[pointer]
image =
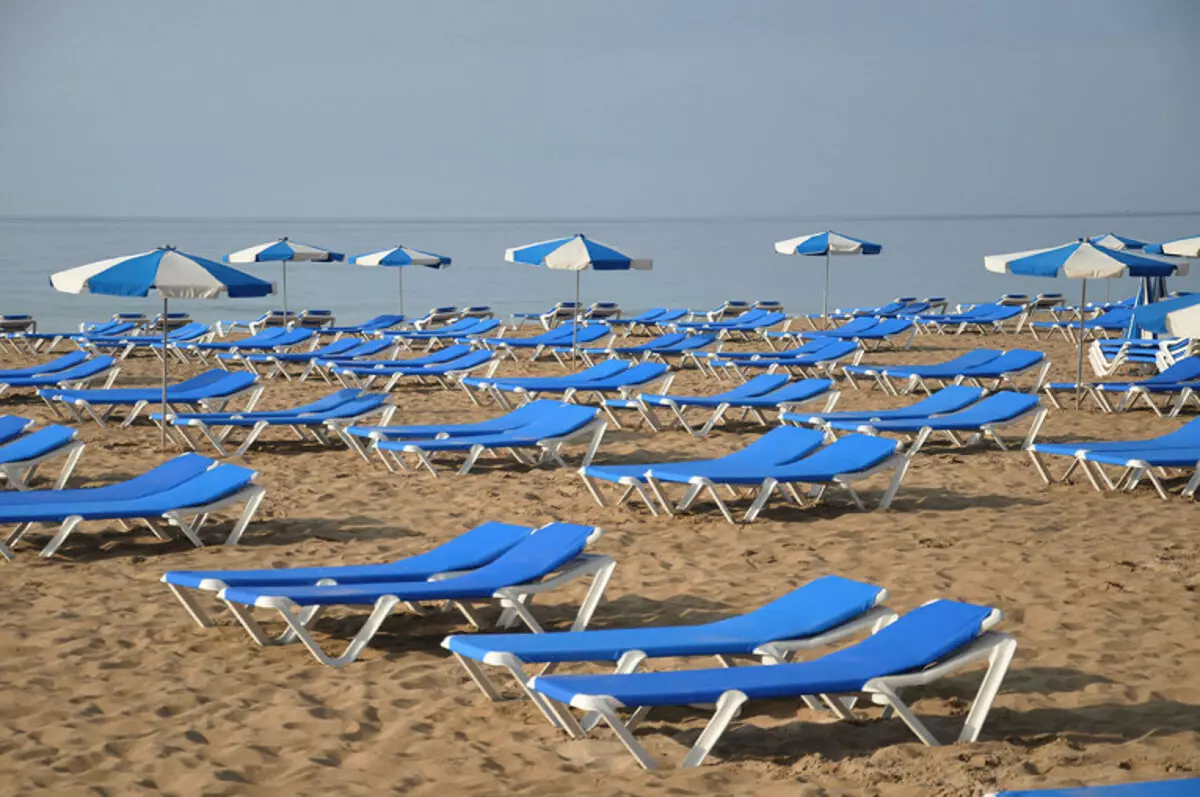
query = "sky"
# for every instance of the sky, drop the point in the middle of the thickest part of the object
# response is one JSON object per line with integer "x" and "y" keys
{"x": 622, "y": 109}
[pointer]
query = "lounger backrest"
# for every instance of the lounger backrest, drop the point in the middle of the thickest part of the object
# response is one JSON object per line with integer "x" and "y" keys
{"x": 292, "y": 337}
{"x": 266, "y": 336}
{"x": 849, "y": 454}
{"x": 835, "y": 349}
{"x": 211, "y": 485}
{"x": 200, "y": 380}
{"x": 34, "y": 444}
{"x": 692, "y": 342}
{"x": 663, "y": 341}
{"x": 470, "y": 360}
{"x": 973, "y": 358}
{"x": 920, "y": 638}
{"x": 166, "y": 476}
{"x": 563, "y": 420}
{"x": 948, "y": 399}
{"x": 12, "y": 426}
{"x": 1186, "y": 436}
{"x": 471, "y": 549}
{"x": 335, "y": 399}
{"x": 481, "y": 326}
{"x": 638, "y": 374}
{"x": 778, "y": 446}
{"x": 227, "y": 384}
{"x": 804, "y": 611}
{"x": 338, "y": 347}
{"x": 798, "y": 391}
{"x": 997, "y": 407}
{"x": 890, "y": 326}
{"x": 363, "y": 403}
{"x": 604, "y": 370}
{"x": 853, "y": 326}
{"x": 367, "y": 348}
{"x": 81, "y": 371}
{"x": 1010, "y": 361}
{"x": 534, "y": 556}
{"x": 1186, "y": 370}
{"x": 758, "y": 386}
{"x": 890, "y": 307}
{"x": 59, "y": 363}
{"x": 589, "y": 334}
{"x": 648, "y": 315}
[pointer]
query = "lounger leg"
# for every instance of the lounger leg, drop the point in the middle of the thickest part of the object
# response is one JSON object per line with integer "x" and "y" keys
{"x": 1040, "y": 466}
{"x": 728, "y": 707}
{"x": 630, "y": 660}
{"x": 594, "y": 595}
{"x": 383, "y": 608}
{"x": 60, "y": 537}
{"x": 609, "y": 715}
{"x": 998, "y": 663}
{"x": 253, "y": 499}
{"x": 192, "y": 607}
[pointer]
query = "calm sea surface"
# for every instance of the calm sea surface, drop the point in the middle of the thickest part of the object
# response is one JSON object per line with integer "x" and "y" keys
{"x": 697, "y": 263}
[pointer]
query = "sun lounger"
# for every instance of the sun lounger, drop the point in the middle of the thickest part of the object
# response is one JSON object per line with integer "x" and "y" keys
{"x": 471, "y": 331}
{"x": 315, "y": 319}
{"x": 46, "y": 342}
{"x": 948, "y": 399}
{"x": 560, "y": 312}
{"x": 57, "y": 365}
{"x": 555, "y": 338}
{"x": 359, "y": 355}
{"x": 584, "y": 384}
{"x": 172, "y": 321}
{"x": 862, "y": 330}
{"x": 470, "y": 550}
{"x": 1115, "y": 320}
{"x": 996, "y": 372}
{"x": 1177, "y": 382}
{"x": 1137, "y": 459}
{"x": 947, "y": 371}
{"x": 820, "y": 362}
{"x": 982, "y": 420}
{"x": 981, "y": 318}
{"x": 841, "y": 463}
{"x": 1184, "y": 787}
{"x": 776, "y": 447}
{"x": 716, "y": 321}
{"x": 274, "y": 362}
{"x": 436, "y": 315}
{"x": 644, "y": 322}
{"x": 317, "y": 419}
{"x": 763, "y": 393}
{"x": 726, "y": 309}
{"x": 847, "y": 331}
{"x": 21, "y": 456}
{"x": 276, "y": 319}
{"x": 183, "y": 491}
{"x": 547, "y": 559}
{"x": 211, "y": 390}
{"x": 77, "y": 376}
{"x": 17, "y": 322}
{"x": 637, "y": 352}
{"x": 602, "y": 311}
{"x": 256, "y": 342}
{"x": 546, "y": 433}
{"x": 921, "y": 647}
{"x": 13, "y": 426}
{"x": 823, "y": 611}
{"x": 379, "y": 323}
{"x": 436, "y": 368}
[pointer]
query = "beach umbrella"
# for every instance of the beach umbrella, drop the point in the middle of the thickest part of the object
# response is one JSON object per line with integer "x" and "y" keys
{"x": 398, "y": 257}
{"x": 1179, "y": 318}
{"x": 283, "y": 251}
{"x": 575, "y": 253}
{"x": 1180, "y": 247}
{"x": 1110, "y": 240}
{"x": 1080, "y": 260}
{"x": 170, "y": 273}
{"x": 826, "y": 243}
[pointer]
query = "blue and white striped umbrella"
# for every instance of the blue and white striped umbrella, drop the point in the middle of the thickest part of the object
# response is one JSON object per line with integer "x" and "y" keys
{"x": 1110, "y": 240}
{"x": 576, "y": 253}
{"x": 169, "y": 273}
{"x": 1178, "y": 318}
{"x": 284, "y": 251}
{"x": 1081, "y": 260}
{"x": 825, "y": 244}
{"x": 399, "y": 256}
{"x": 1180, "y": 247}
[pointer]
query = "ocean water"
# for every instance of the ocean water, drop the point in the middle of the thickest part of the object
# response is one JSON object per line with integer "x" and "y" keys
{"x": 697, "y": 263}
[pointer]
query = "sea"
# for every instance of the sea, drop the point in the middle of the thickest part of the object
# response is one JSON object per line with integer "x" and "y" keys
{"x": 698, "y": 263}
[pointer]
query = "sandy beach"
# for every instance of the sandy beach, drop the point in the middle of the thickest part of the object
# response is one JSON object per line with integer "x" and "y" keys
{"x": 110, "y": 689}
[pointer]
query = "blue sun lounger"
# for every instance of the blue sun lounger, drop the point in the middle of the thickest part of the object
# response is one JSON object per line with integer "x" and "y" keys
{"x": 655, "y": 318}
{"x": 571, "y": 388}
{"x": 17, "y": 322}
{"x": 726, "y": 322}
{"x": 211, "y": 390}
{"x": 472, "y": 332}
{"x": 997, "y": 372}
{"x": 982, "y": 420}
{"x": 1115, "y": 320}
{"x": 275, "y": 362}
{"x": 57, "y": 365}
{"x": 317, "y": 419}
{"x": 948, "y": 399}
{"x": 555, "y": 338}
{"x": 35, "y": 342}
{"x": 359, "y": 355}
{"x": 776, "y": 447}
{"x": 183, "y": 491}
{"x": 77, "y": 376}
{"x": 547, "y": 559}
{"x": 470, "y": 550}
{"x": 547, "y": 433}
{"x": 823, "y": 611}
{"x": 761, "y": 394}
{"x": 1184, "y": 787}
{"x": 980, "y": 318}
{"x": 921, "y": 647}
{"x": 275, "y": 339}
{"x": 379, "y": 323}
{"x": 560, "y": 312}
{"x": 437, "y": 368}
{"x": 1171, "y": 383}
{"x": 124, "y": 345}
{"x": 636, "y": 352}
{"x": 820, "y": 362}
{"x": 601, "y": 370}
{"x": 846, "y": 460}
{"x": 13, "y": 426}
{"x": 847, "y": 331}
{"x": 463, "y": 326}
{"x": 947, "y": 371}
{"x": 21, "y": 456}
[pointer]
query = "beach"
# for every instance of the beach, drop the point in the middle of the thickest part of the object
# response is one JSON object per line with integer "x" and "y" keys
{"x": 111, "y": 689}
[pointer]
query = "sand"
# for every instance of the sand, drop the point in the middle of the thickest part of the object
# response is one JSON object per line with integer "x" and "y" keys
{"x": 110, "y": 689}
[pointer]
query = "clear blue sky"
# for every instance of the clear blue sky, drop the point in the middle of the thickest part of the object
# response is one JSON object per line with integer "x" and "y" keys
{"x": 621, "y": 108}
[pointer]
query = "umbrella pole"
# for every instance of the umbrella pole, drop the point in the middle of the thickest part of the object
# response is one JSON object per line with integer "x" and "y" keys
{"x": 1079, "y": 361}
{"x": 400, "y": 286}
{"x": 825, "y": 305}
{"x": 162, "y": 441}
{"x": 576, "y": 317}
{"x": 286, "y": 320}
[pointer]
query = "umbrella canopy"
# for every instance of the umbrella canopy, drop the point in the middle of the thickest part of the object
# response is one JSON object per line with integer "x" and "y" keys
{"x": 284, "y": 251}
{"x": 169, "y": 273}
{"x": 576, "y": 253}
{"x": 1081, "y": 260}
{"x": 826, "y": 243}
{"x": 397, "y": 257}
{"x": 1178, "y": 318}
{"x": 1110, "y": 240}
{"x": 1180, "y": 247}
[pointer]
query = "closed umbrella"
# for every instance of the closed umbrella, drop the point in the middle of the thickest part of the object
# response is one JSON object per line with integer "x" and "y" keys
{"x": 576, "y": 253}
{"x": 170, "y": 273}
{"x": 1081, "y": 260}
{"x": 826, "y": 243}
{"x": 398, "y": 257}
{"x": 283, "y": 251}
